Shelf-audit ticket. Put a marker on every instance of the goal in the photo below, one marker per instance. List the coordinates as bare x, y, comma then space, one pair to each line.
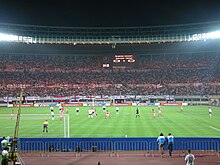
31, 125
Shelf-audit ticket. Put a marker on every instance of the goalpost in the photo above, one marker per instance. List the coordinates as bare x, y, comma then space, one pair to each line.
66, 125
66, 120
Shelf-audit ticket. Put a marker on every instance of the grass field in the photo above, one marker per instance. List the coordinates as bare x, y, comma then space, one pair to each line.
194, 121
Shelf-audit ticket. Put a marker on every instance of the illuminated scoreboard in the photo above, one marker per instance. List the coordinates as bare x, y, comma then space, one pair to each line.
124, 60
120, 61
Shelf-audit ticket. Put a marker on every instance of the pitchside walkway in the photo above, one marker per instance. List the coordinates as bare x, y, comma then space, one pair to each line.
68, 158
122, 151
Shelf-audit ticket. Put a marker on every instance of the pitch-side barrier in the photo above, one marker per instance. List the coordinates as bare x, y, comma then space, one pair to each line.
117, 148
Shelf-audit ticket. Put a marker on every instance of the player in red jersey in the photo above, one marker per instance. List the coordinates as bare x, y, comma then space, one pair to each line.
67, 109
153, 114
159, 111
107, 114
12, 114
181, 108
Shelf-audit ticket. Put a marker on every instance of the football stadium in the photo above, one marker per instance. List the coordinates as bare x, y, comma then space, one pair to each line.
87, 94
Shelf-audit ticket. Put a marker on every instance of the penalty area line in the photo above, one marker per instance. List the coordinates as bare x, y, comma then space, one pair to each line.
214, 128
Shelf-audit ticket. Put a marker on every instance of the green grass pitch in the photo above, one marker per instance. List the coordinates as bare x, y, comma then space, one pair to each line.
194, 121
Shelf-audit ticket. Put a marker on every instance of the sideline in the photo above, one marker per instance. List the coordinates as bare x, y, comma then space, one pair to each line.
214, 128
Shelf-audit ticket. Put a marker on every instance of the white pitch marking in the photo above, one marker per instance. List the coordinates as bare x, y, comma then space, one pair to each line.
215, 128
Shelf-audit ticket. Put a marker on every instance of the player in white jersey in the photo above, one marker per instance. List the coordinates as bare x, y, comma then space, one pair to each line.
67, 110
117, 110
91, 113
52, 113
103, 108
77, 111
60, 107
210, 112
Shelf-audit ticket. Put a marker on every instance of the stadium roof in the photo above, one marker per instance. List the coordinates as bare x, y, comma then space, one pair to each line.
109, 35
108, 13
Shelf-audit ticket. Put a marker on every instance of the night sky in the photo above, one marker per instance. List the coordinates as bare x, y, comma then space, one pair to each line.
110, 13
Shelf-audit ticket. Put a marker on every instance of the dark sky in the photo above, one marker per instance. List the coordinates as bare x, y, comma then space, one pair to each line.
112, 13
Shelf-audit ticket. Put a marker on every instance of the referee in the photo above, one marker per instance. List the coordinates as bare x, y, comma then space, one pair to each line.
45, 126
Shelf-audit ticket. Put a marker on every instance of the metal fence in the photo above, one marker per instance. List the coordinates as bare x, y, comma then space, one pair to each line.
117, 147
53, 146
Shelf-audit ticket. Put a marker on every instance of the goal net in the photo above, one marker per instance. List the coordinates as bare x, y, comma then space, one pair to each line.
31, 126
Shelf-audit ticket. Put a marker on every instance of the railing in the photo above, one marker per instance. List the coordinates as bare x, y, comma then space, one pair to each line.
118, 147
53, 146
130, 146
94, 146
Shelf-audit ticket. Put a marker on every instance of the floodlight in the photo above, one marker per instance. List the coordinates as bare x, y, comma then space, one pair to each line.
8, 37
213, 35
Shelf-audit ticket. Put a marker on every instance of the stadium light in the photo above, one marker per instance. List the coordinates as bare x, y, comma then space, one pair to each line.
15, 38
205, 36
213, 35
8, 37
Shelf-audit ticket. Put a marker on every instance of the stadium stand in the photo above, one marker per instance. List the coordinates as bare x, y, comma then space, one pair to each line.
178, 74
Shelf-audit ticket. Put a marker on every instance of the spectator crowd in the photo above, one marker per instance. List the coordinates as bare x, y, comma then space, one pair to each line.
174, 74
